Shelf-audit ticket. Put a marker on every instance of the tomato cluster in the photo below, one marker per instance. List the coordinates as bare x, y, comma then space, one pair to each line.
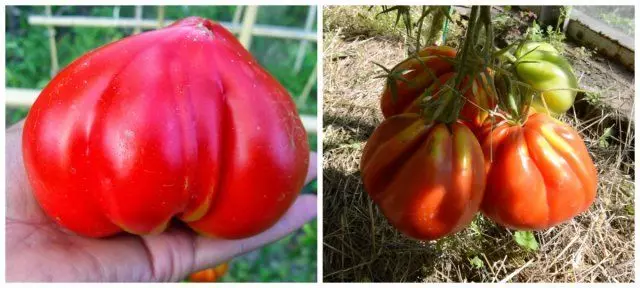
430, 178
427, 73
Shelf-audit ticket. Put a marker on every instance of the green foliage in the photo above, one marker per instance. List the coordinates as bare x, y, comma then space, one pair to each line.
631, 210
622, 23
526, 240
503, 19
79, 40
219, 13
621, 17
28, 65
402, 12
550, 35
15, 114
593, 97
313, 141
506, 21
476, 262
429, 27
27, 60
603, 141
270, 264
278, 57
535, 32
565, 12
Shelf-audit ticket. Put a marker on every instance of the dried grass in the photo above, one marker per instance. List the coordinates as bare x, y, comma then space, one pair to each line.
360, 245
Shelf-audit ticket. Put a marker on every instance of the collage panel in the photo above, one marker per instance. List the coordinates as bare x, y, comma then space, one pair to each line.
439, 142
478, 144
161, 143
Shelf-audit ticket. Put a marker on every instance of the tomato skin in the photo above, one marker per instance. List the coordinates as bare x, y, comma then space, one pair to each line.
180, 121
209, 275
444, 51
434, 88
482, 96
539, 174
544, 68
427, 179
421, 76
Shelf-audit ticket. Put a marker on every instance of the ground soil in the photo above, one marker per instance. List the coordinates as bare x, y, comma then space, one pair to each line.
615, 83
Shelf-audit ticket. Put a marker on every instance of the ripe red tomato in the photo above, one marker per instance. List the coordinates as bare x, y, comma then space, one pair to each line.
427, 179
181, 122
420, 73
539, 174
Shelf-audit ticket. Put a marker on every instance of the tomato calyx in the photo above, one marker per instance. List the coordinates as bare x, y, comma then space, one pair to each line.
472, 63
401, 72
514, 97
393, 75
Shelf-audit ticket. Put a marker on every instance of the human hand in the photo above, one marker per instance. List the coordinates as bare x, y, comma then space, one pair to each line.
38, 249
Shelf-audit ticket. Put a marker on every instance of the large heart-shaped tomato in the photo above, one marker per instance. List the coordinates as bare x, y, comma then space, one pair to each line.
182, 122
426, 178
539, 173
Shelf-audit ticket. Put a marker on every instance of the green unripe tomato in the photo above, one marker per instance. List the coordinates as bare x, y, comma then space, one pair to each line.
542, 67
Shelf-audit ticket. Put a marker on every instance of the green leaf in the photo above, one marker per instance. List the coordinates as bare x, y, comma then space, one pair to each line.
382, 67
476, 262
526, 240
603, 141
630, 209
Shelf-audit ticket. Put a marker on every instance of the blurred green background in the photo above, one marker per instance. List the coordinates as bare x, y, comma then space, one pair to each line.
28, 65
